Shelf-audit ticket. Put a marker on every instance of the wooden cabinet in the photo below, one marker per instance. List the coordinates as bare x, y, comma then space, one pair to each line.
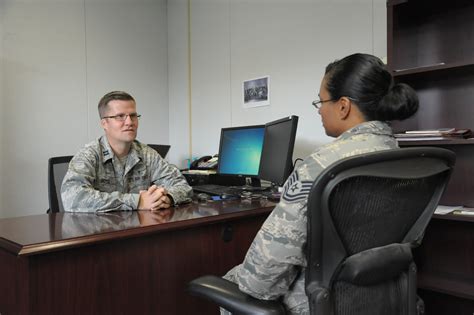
431, 48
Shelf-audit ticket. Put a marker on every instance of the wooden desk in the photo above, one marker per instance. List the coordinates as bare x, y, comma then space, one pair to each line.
445, 262
121, 262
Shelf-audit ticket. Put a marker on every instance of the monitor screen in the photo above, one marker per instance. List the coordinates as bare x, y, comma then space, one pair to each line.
277, 153
240, 150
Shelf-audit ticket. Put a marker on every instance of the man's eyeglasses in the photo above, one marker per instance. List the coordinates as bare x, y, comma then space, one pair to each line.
123, 117
319, 103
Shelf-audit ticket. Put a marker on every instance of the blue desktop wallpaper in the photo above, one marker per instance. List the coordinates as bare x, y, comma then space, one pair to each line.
240, 151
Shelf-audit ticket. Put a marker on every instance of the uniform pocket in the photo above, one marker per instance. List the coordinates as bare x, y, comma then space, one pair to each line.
137, 180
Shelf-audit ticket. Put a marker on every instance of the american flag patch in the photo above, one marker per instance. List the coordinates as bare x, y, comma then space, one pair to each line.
295, 189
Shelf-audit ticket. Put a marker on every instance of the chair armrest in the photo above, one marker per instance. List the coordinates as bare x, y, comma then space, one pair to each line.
377, 264
227, 295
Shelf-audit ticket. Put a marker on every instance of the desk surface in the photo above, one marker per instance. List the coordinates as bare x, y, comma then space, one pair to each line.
50, 232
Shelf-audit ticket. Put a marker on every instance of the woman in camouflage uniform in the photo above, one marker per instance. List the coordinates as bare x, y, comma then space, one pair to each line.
357, 98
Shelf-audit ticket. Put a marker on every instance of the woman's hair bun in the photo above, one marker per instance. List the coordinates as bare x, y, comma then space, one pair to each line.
401, 102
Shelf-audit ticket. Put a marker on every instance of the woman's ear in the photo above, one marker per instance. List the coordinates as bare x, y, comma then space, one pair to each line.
344, 106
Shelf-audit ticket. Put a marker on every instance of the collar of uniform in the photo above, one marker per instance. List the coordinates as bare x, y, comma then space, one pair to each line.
373, 127
106, 150
134, 156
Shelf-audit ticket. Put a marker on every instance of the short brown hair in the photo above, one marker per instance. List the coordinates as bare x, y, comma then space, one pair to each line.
115, 95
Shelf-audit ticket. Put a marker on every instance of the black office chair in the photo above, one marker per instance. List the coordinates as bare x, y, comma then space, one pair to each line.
365, 214
57, 168
162, 149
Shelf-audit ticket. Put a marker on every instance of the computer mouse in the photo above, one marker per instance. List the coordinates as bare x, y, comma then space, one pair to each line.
203, 197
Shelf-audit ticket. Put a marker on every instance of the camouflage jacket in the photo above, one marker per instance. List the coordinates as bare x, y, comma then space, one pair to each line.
274, 266
93, 184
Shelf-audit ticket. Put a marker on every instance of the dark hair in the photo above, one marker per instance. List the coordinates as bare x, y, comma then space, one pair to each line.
365, 80
115, 95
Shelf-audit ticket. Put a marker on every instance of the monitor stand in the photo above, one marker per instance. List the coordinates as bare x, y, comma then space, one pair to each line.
255, 182
226, 180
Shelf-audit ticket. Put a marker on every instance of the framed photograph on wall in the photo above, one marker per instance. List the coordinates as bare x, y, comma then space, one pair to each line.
256, 92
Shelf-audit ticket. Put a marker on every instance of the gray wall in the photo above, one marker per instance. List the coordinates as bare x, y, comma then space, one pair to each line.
58, 57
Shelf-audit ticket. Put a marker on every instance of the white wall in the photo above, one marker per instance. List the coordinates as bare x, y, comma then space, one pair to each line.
126, 49
178, 78
291, 41
211, 73
44, 96
58, 57
1, 110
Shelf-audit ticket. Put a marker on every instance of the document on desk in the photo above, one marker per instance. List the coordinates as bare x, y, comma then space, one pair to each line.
447, 209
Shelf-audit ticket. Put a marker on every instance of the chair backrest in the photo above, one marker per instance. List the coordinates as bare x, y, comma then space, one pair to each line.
57, 168
364, 215
162, 149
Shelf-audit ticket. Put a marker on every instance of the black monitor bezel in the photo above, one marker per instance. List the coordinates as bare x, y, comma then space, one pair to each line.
289, 158
220, 149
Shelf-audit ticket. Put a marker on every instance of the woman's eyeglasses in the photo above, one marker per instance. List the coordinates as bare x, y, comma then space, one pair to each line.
319, 103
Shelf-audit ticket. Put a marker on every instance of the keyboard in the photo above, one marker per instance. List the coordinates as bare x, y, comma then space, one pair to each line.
217, 190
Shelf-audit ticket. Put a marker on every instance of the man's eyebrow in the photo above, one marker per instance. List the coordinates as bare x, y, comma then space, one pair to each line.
122, 113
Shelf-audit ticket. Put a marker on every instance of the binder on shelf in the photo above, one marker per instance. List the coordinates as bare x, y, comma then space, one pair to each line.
434, 134
439, 131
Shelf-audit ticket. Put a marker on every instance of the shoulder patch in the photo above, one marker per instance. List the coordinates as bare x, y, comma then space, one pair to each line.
295, 189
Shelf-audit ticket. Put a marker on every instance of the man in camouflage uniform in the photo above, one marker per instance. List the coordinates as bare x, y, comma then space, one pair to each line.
275, 264
116, 172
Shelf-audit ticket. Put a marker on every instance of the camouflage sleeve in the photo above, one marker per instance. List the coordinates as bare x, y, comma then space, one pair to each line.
168, 176
78, 193
270, 265
277, 253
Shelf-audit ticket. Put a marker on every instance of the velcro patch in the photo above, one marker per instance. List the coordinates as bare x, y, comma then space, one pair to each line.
295, 189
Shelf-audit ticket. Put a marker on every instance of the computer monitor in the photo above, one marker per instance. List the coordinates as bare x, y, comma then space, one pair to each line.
277, 153
240, 150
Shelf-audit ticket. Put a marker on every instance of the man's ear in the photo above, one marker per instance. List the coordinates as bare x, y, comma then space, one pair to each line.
103, 123
344, 106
